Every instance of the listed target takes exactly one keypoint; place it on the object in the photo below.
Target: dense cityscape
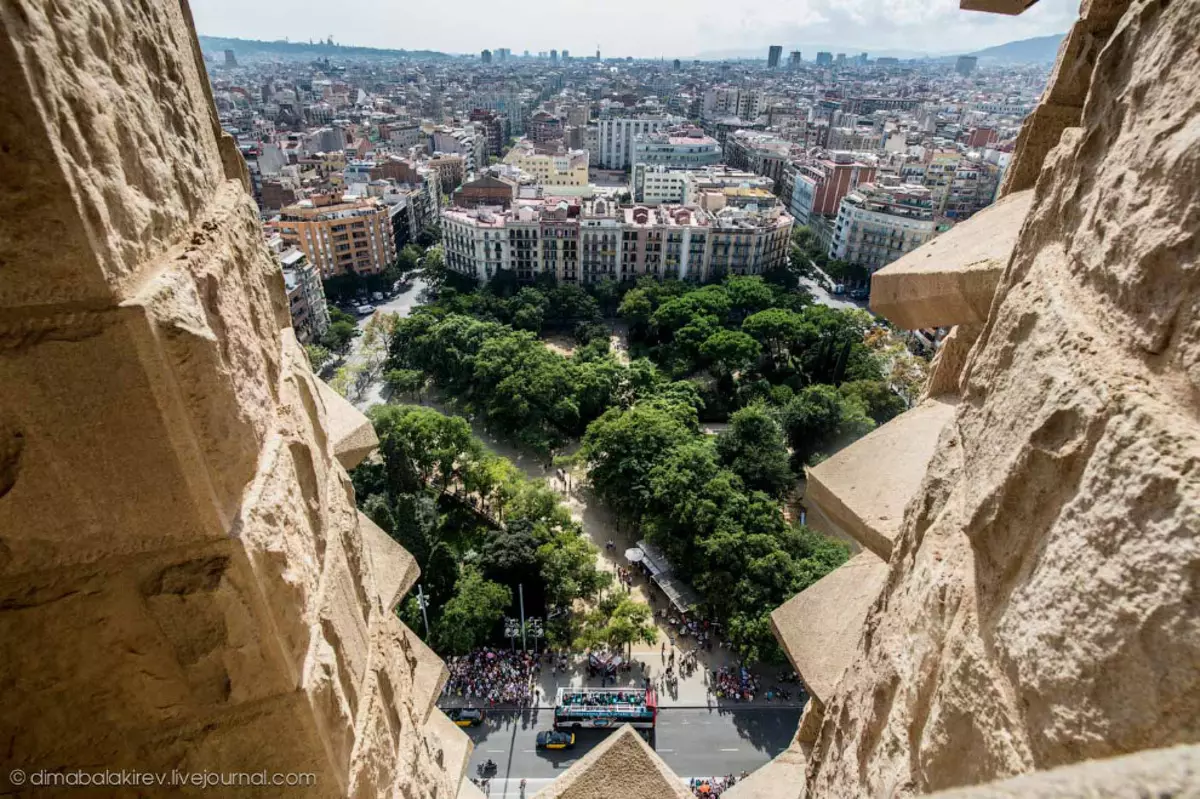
(661, 400)
(603, 314)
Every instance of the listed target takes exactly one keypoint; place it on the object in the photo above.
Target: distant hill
(255, 48)
(1039, 50)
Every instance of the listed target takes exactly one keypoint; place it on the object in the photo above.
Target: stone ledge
(1010, 7)
(782, 778)
(865, 487)
(469, 790)
(352, 434)
(456, 746)
(429, 676)
(394, 569)
(1157, 772)
(951, 279)
(819, 628)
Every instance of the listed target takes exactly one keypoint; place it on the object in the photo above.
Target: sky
(640, 28)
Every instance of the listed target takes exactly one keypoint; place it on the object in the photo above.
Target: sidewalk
(690, 691)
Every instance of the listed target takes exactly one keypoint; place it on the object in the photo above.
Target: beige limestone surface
(1042, 603)
(624, 765)
(951, 279)
(819, 628)
(865, 487)
(186, 582)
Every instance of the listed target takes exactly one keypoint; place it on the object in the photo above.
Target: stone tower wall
(1042, 603)
(184, 580)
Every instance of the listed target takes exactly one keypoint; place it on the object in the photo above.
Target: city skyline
(710, 28)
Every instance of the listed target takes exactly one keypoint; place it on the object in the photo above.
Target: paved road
(694, 743)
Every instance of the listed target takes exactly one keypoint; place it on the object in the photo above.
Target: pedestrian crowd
(493, 676)
(736, 683)
(713, 786)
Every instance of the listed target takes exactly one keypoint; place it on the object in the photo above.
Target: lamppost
(423, 604)
(512, 628)
(534, 626)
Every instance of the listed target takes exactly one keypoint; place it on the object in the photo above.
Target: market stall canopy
(681, 595)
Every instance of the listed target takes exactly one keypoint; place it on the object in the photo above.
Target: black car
(553, 739)
(465, 716)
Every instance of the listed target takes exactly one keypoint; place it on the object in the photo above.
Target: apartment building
(658, 185)
(758, 152)
(494, 128)
(878, 223)
(857, 139)
(306, 296)
(550, 166)
(679, 148)
(585, 241)
(616, 138)
(819, 183)
(339, 238)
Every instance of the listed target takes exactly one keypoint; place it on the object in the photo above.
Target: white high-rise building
(616, 137)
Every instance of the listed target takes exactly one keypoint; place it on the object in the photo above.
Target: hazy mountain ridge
(1037, 50)
(248, 48)
(1040, 49)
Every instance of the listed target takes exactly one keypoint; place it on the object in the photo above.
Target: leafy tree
(568, 568)
(636, 310)
(470, 618)
(730, 351)
(405, 381)
(338, 335)
(621, 448)
(631, 622)
(318, 356)
(818, 417)
(422, 447)
(754, 449)
(748, 295)
(881, 403)
(775, 329)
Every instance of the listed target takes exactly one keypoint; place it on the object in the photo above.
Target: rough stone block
(1010, 7)
(233, 742)
(819, 628)
(141, 641)
(1156, 772)
(1039, 135)
(865, 487)
(395, 571)
(1072, 75)
(782, 778)
(454, 746)
(624, 765)
(352, 433)
(951, 279)
(77, 396)
(92, 199)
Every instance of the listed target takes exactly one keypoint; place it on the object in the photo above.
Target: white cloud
(633, 27)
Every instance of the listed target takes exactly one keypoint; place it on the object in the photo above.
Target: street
(693, 741)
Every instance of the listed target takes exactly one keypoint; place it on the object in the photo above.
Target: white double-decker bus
(581, 708)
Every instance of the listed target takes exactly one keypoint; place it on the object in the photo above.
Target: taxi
(552, 739)
(465, 716)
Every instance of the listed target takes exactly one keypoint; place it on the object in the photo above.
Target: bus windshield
(577, 708)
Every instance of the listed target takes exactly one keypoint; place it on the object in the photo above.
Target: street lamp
(512, 628)
(534, 627)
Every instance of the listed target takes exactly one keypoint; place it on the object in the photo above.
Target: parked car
(363, 310)
(553, 739)
(465, 716)
(859, 294)
(377, 296)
